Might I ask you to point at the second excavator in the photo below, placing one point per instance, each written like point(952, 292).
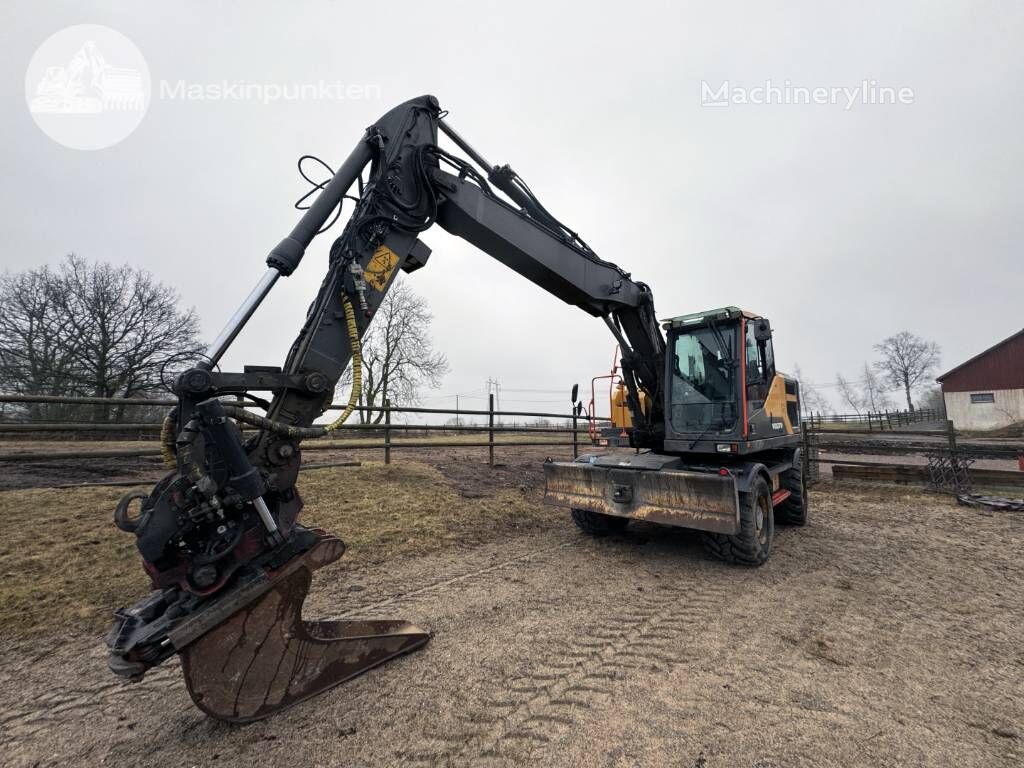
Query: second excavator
point(712, 423)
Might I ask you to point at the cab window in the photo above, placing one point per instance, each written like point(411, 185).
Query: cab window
point(703, 395)
point(759, 367)
point(755, 366)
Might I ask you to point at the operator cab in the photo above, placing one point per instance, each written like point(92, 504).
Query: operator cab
point(724, 394)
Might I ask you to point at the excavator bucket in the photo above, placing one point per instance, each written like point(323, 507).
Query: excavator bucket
point(262, 657)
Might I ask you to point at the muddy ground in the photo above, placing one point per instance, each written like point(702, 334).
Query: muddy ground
point(86, 469)
point(886, 633)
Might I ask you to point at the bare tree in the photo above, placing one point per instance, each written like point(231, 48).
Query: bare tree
point(907, 360)
point(35, 356)
point(849, 393)
point(398, 355)
point(89, 328)
point(811, 400)
point(872, 392)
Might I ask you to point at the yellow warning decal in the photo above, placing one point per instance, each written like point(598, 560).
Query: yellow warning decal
point(381, 267)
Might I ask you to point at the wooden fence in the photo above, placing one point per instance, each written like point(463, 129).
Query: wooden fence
point(876, 421)
point(493, 423)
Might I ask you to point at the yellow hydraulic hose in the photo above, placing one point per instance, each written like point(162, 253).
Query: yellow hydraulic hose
point(168, 432)
point(357, 365)
point(240, 414)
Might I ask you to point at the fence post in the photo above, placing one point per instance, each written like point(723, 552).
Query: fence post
point(805, 454)
point(575, 436)
point(490, 430)
point(951, 436)
point(387, 430)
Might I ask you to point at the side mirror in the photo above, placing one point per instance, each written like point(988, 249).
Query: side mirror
point(575, 396)
point(579, 408)
point(762, 330)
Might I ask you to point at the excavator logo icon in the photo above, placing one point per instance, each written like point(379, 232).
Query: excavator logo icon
point(87, 87)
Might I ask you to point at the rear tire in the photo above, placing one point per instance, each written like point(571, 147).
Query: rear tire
point(752, 545)
point(793, 511)
point(596, 524)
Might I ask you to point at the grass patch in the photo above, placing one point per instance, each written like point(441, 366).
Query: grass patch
point(62, 560)
point(65, 566)
point(386, 510)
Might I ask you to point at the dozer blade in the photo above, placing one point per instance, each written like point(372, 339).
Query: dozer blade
point(264, 657)
point(638, 487)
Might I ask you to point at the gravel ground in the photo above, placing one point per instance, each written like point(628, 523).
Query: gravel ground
point(886, 633)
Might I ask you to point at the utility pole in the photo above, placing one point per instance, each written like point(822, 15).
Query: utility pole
point(494, 388)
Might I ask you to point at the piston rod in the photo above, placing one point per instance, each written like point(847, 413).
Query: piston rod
point(289, 252)
point(238, 320)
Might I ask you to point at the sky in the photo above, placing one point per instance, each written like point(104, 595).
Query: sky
point(841, 222)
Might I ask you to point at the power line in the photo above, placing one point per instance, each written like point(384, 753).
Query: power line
point(545, 391)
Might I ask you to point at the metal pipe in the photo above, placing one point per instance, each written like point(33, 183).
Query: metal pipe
point(306, 448)
point(332, 406)
point(465, 146)
point(238, 320)
point(14, 428)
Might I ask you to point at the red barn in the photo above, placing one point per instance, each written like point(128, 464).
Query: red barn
point(987, 391)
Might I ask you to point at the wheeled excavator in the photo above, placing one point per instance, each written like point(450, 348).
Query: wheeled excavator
point(713, 427)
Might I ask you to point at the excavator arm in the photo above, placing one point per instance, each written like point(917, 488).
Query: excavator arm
point(219, 535)
point(572, 273)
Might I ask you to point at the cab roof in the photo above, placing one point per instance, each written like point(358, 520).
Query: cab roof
point(699, 318)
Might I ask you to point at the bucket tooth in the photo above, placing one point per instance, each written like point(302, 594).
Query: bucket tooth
point(264, 657)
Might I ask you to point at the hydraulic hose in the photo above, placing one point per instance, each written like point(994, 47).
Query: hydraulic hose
point(357, 365)
point(171, 443)
point(168, 433)
point(277, 427)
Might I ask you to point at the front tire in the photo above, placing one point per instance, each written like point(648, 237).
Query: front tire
point(753, 544)
point(596, 524)
point(793, 511)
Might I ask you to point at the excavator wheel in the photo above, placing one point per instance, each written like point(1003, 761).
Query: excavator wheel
point(597, 524)
point(752, 545)
point(793, 511)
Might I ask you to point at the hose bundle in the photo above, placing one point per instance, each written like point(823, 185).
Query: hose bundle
point(168, 437)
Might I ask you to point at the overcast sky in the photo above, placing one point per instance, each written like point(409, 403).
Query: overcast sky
point(842, 224)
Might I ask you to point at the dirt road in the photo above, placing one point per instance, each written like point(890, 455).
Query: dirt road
point(886, 633)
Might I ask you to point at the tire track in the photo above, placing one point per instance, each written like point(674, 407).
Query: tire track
point(61, 706)
point(78, 704)
point(537, 710)
point(468, 577)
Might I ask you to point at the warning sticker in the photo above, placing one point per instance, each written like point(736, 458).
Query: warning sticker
point(381, 267)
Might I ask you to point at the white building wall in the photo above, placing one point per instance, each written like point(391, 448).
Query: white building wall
point(1008, 408)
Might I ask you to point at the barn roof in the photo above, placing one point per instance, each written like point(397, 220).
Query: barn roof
point(995, 348)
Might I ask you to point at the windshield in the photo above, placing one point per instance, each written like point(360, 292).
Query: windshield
point(703, 381)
